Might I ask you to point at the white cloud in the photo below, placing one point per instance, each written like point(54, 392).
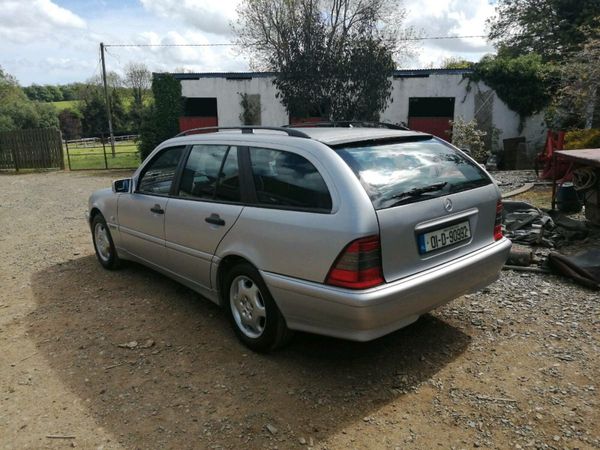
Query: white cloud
point(42, 42)
point(209, 16)
point(449, 18)
point(23, 21)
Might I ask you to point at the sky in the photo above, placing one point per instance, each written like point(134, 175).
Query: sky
point(57, 41)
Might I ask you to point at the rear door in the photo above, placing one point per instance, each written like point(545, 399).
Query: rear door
point(432, 203)
point(141, 214)
point(203, 209)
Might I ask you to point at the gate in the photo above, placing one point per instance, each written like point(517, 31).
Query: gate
point(31, 149)
point(96, 153)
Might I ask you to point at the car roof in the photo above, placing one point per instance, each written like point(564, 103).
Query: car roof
point(343, 135)
point(327, 135)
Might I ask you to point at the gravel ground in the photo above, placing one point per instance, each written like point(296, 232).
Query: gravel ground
point(513, 366)
point(513, 179)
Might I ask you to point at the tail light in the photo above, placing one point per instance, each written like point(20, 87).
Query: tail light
point(498, 222)
point(358, 266)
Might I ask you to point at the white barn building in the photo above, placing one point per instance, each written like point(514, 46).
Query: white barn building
point(424, 99)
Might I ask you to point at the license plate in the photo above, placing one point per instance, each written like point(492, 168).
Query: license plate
point(444, 237)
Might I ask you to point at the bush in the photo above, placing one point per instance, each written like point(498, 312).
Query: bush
point(161, 121)
point(525, 83)
point(589, 138)
point(466, 136)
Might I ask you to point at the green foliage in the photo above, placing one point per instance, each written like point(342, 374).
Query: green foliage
point(354, 86)
point(251, 112)
point(95, 119)
point(589, 138)
point(525, 83)
point(576, 104)
point(161, 120)
point(467, 136)
point(70, 123)
point(52, 93)
point(457, 63)
point(94, 112)
point(18, 112)
point(334, 62)
point(551, 28)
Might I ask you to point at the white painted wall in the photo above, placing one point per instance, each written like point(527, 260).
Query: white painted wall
point(436, 85)
point(432, 86)
point(228, 97)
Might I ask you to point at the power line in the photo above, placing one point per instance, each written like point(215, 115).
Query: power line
point(444, 37)
point(170, 45)
point(234, 45)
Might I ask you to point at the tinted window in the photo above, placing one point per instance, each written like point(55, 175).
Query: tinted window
point(408, 171)
point(289, 180)
point(158, 175)
point(211, 172)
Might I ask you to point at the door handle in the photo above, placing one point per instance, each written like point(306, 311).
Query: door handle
point(156, 209)
point(215, 219)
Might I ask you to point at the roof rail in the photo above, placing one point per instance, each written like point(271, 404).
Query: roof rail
point(350, 124)
point(247, 129)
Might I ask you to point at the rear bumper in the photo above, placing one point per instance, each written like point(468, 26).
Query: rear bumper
point(369, 314)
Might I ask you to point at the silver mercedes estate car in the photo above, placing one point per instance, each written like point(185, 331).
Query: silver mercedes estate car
point(345, 232)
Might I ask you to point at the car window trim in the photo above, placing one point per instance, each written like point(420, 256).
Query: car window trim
point(179, 171)
point(174, 193)
point(256, 204)
point(220, 172)
point(247, 187)
point(177, 174)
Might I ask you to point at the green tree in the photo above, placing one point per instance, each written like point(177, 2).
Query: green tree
point(457, 63)
point(93, 107)
point(161, 119)
point(138, 78)
point(70, 123)
point(18, 112)
point(525, 83)
point(38, 93)
point(551, 28)
point(333, 58)
point(54, 92)
point(576, 102)
point(94, 118)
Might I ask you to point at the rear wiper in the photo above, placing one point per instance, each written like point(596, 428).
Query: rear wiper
point(465, 185)
point(416, 192)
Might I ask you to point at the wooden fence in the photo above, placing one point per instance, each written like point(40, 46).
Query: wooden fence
point(31, 149)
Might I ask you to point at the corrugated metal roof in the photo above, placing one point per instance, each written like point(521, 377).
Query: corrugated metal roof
point(401, 73)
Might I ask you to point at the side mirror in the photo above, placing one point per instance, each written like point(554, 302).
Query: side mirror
point(121, 185)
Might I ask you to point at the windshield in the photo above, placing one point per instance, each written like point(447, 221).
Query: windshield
point(408, 171)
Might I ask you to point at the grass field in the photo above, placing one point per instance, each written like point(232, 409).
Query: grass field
point(66, 104)
point(126, 157)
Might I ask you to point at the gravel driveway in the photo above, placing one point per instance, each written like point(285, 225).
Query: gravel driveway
point(129, 359)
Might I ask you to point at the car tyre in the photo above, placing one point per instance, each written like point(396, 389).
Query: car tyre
point(253, 313)
point(103, 244)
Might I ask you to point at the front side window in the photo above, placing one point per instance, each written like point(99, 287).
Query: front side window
point(158, 175)
point(211, 172)
point(288, 180)
point(407, 171)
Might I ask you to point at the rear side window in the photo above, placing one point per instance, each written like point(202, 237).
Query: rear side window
point(158, 175)
point(395, 173)
point(288, 180)
point(211, 172)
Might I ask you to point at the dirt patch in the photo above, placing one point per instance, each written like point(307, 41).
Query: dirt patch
point(131, 359)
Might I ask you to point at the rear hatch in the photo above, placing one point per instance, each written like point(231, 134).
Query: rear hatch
point(433, 203)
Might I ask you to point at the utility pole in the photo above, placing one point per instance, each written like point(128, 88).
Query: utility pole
point(108, 108)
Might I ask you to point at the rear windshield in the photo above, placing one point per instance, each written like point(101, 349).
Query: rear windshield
point(396, 173)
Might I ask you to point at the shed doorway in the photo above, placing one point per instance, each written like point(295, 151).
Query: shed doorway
point(431, 115)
